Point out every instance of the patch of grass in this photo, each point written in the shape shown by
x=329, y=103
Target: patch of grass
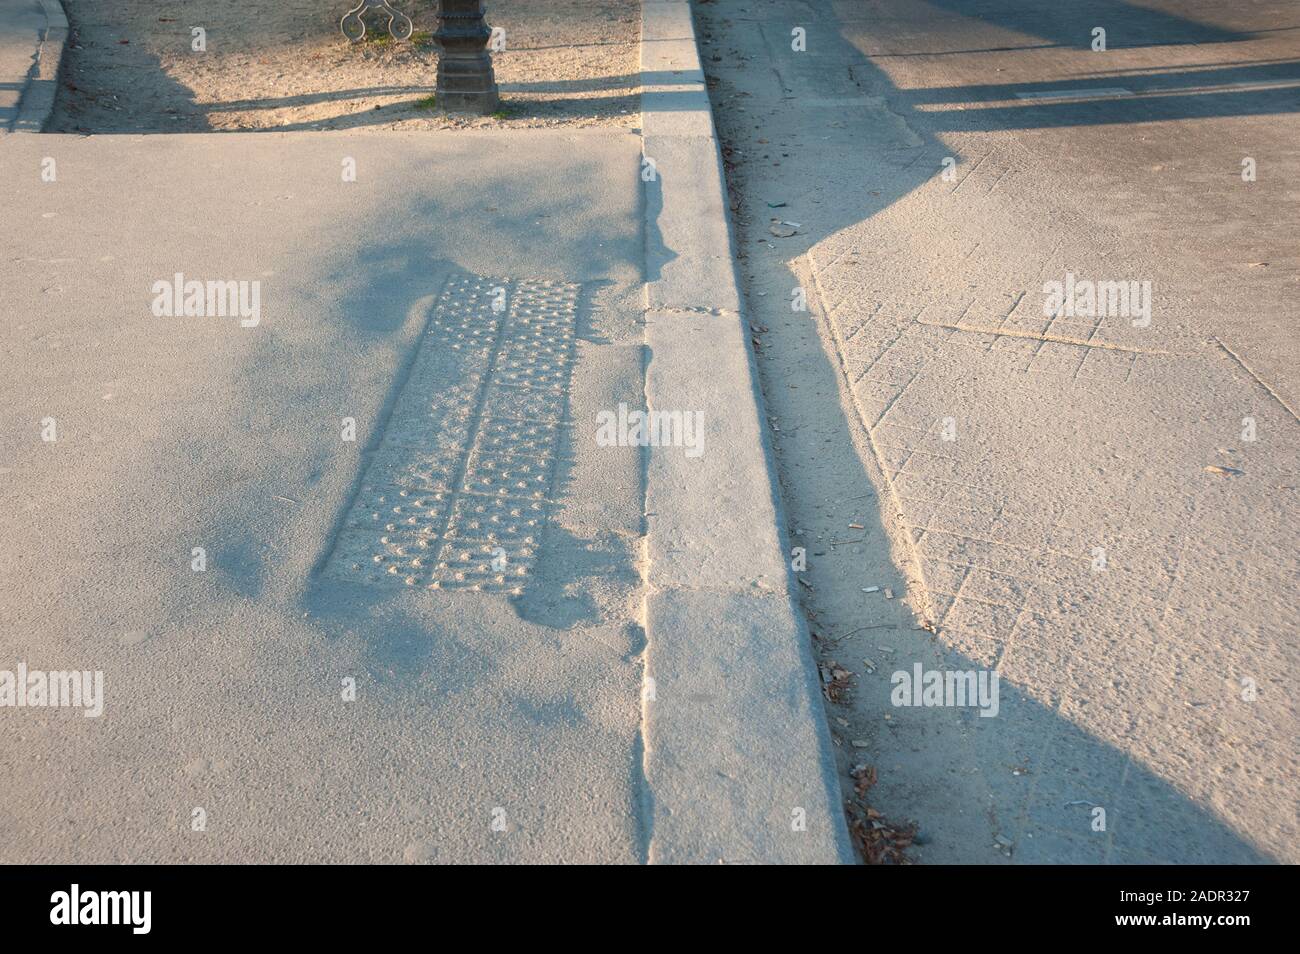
x=429, y=102
x=501, y=114
x=422, y=38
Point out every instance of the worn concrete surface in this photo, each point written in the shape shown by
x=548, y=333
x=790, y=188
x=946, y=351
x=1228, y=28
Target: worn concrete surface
x=21, y=23
x=1074, y=437
x=391, y=475
x=224, y=688
x=512, y=692
x=737, y=753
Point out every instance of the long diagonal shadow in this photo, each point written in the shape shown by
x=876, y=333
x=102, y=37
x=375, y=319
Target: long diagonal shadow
x=1150, y=819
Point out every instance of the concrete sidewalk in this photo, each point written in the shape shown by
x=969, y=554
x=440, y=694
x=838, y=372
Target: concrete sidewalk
x=195, y=527
x=32, y=33
x=1096, y=504
x=336, y=521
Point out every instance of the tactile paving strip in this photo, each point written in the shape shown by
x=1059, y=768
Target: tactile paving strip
x=461, y=486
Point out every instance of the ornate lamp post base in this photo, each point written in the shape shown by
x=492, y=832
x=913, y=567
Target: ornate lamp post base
x=465, y=79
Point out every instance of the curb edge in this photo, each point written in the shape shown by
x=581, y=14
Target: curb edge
x=37, y=101
x=735, y=737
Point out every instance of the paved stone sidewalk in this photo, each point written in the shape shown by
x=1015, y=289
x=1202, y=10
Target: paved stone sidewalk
x=1100, y=510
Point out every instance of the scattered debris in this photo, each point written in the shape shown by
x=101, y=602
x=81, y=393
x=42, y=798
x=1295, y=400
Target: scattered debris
x=879, y=841
x=1223, y=471
x=835, y=680
x=870, y=589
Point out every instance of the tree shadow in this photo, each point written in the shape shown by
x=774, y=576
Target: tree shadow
x=401, y=282
x=105, y=103
x=1070, y=24
x=1120, y=97
x=174, y=108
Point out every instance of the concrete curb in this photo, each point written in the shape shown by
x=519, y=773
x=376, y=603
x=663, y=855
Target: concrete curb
x=738, y=760
x=38, y=96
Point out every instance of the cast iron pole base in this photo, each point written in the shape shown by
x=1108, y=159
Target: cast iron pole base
x=465, y=80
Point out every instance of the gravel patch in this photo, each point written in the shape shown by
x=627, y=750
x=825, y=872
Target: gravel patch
x=284, y=65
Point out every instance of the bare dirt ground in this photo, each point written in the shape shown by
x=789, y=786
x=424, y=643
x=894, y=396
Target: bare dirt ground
x=284, y=65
